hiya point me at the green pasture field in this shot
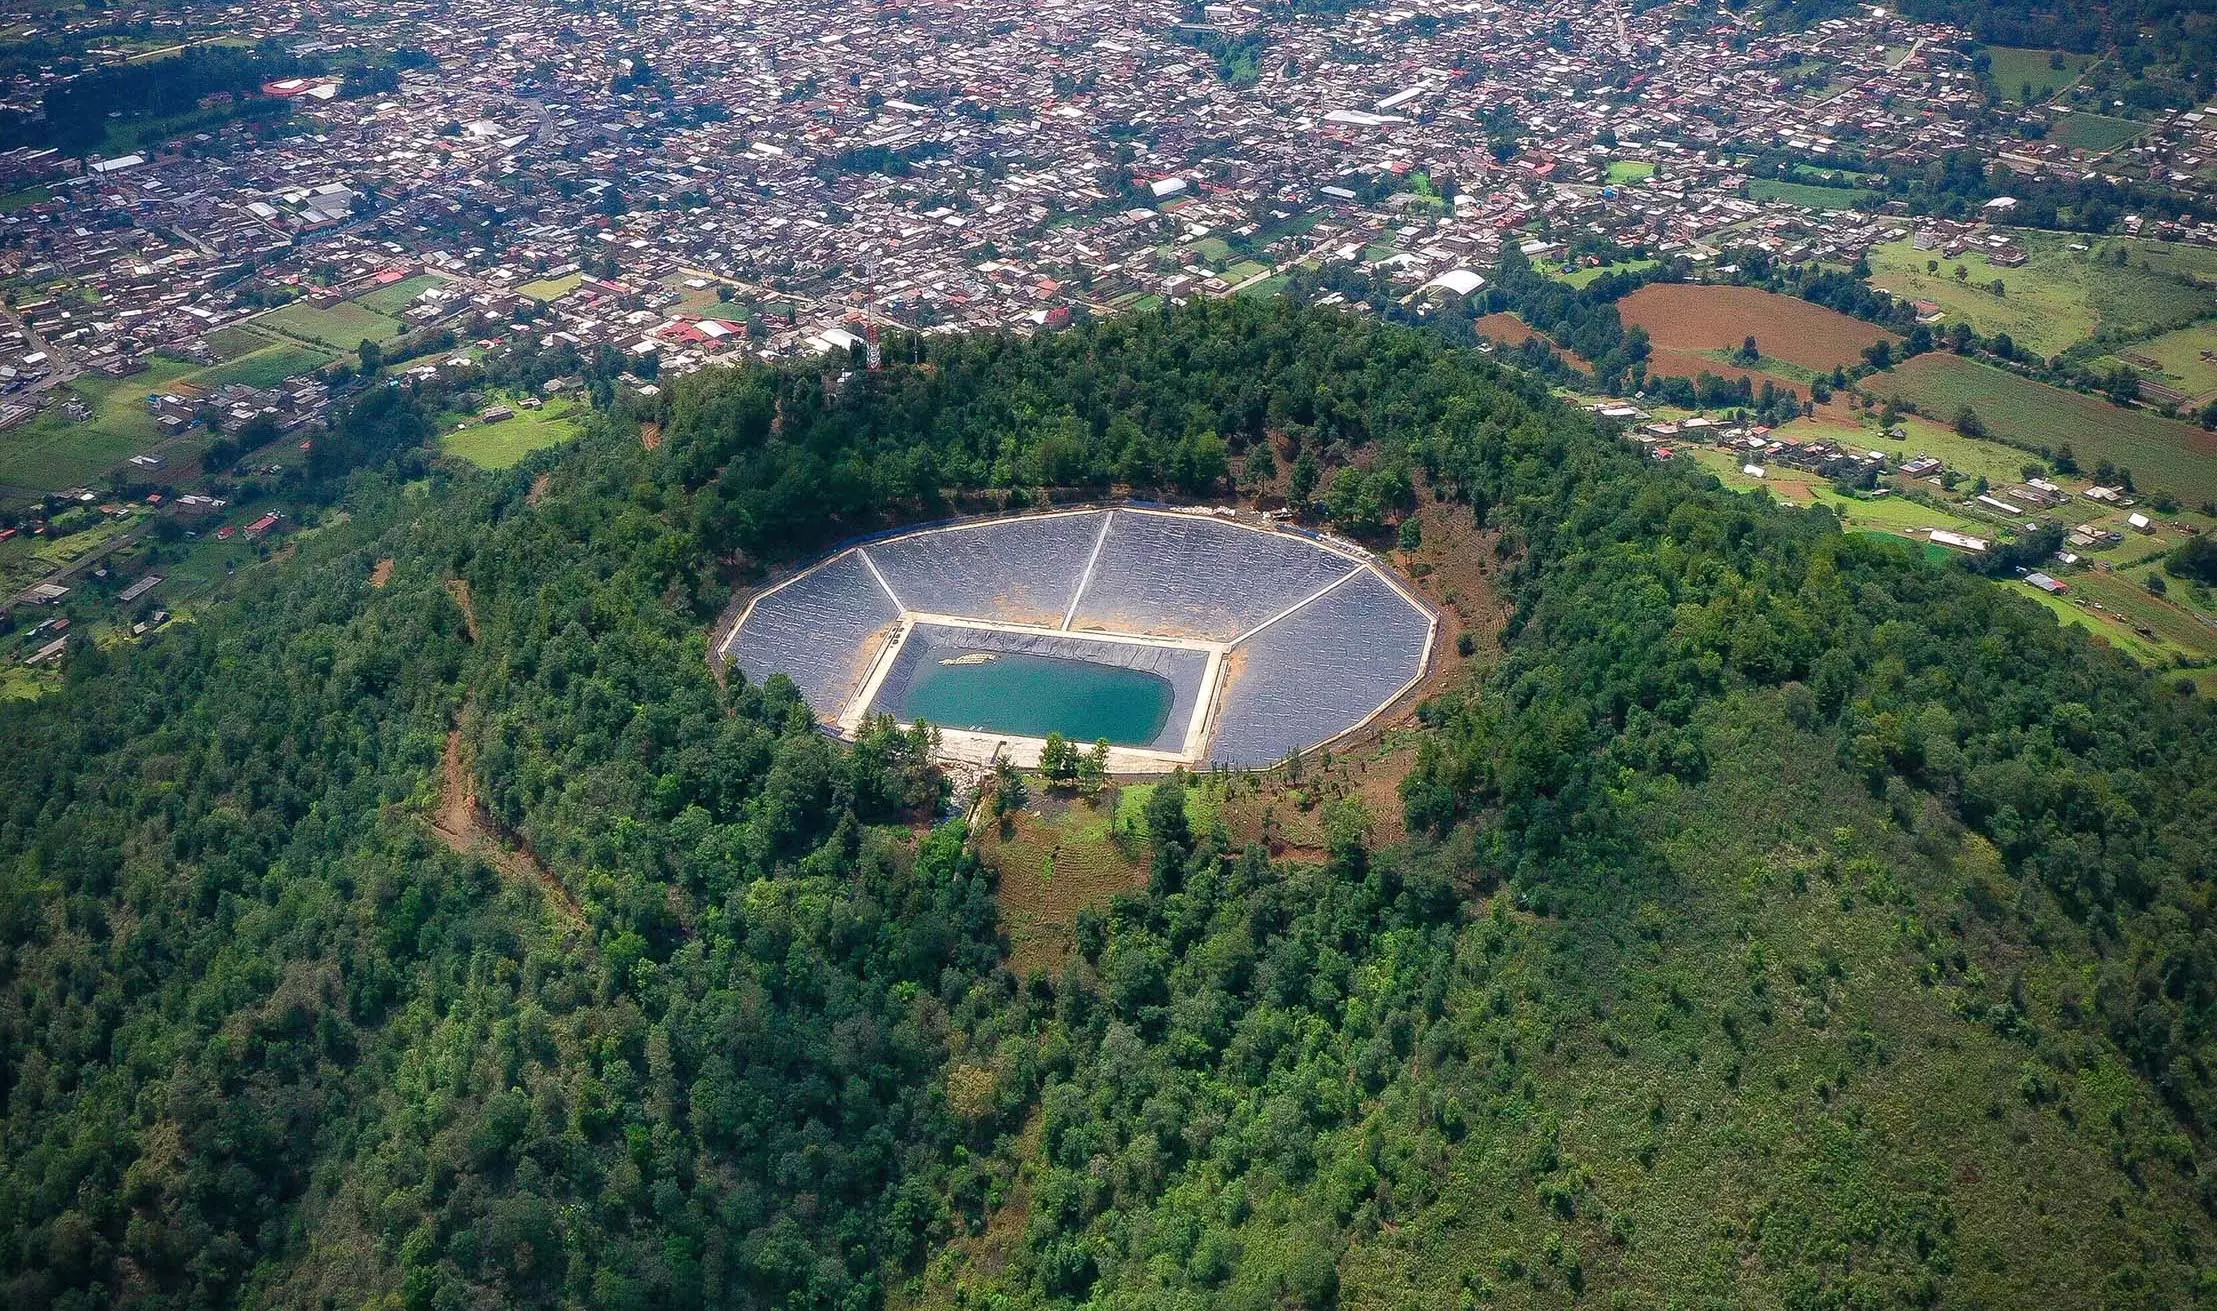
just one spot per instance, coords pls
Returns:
(397, 297)
(1629, 170)
(2095, 132)
(1778, 368)
(343, 326)
(1244, 270)
(1270, 286)
(238, 339)
(2162, 453)
(2014, 66)
(1803, 194)
(500, 445)
(267, 367)
(2056, 299)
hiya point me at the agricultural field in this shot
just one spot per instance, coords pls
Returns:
(1804, 194)
(2094, 132)
(1693, 329)
(2163, 454)
(2181, 358)
(51, 452)
(343, 326)
(238, 339)
(2014, 68)
(500, 445)
(267, 367)
(2175, 258)
(2056, 299)
(397, 297)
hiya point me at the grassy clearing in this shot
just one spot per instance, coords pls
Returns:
(2162, 453)
(500, 445)
(1270, 286)
(2094, 132)
(24, 199)
(1629, 170)
(397, 297)
(1244, 270)
(1055, 860)
(551, 288)
(343, 326)
(2014, 68)
(2056, 299)
(1803, 194)
(1585, 277)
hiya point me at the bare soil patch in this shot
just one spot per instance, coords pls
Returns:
(650, 435)
(1510, 330)
(467, 828)
(382, 574)
(459, 589)
(538, 490)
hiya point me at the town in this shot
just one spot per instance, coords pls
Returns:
(544, 207)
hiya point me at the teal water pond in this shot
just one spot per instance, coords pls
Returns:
(1032, 696)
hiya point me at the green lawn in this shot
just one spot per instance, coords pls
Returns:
(551, 288)
(499, 445)
(2015, 67)
(2095, 132)
(1270, 286)
(343, 326)
(397, 297)
(2057, 298)
(1804, 195)
(2162, 453)
(24, 199)
(1584, 277)
(1629, 170)
(1244, 270)
(1214, 251)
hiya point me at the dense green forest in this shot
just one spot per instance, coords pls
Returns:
(1786, 920)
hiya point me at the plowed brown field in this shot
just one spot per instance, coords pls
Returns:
(1682, 321)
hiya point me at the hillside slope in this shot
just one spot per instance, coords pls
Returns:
(1785, 920)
